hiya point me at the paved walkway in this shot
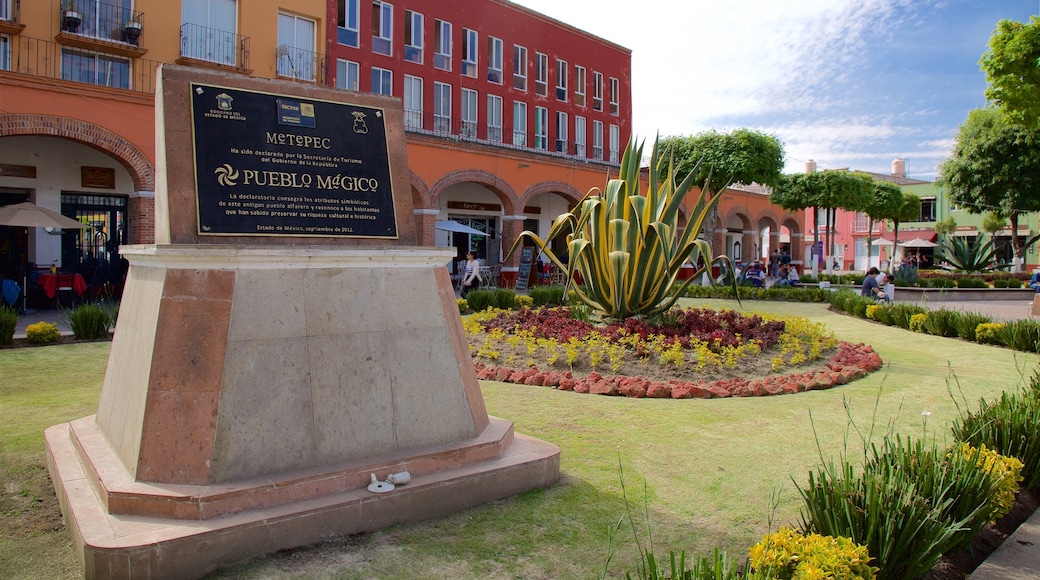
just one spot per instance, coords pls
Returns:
(52, 316)
(999, 310)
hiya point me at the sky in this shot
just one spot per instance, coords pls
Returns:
(847, 83)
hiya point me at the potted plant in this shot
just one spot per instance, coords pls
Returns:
(132, 30)
(70, 19)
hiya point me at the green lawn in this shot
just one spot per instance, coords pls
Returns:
(715, 471)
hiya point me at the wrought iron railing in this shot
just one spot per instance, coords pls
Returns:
(300, 64)
(101, 20)
(48, 59)
(216, 46)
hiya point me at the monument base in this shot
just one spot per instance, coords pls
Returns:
(131, 546)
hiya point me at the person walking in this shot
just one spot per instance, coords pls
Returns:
(471, 278)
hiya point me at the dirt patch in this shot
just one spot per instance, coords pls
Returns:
(28, 504)
(64, 339)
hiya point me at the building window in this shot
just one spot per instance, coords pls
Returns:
(541, 128)
(347, 75)
(413, 36)
(382, 28)
(469, 113)
(96, 69)
(561, 132)
(296, 56)
(413, 117)
(494, 59)
(927, 209)
(347, 22)
(494, 118)
(101, 19)
(615, 141)
(519, 124)
(469, 53)
(209, 31)
(561, 80)
(442, 107)
(5, 10)
(382, 81)
(597, 140)
(579, 85)
(520, 68)
(541, 74)
(579, 136)
(5, 52)
(442, 43)
(615, 90)
(597, 91)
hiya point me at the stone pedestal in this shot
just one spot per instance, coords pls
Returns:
(250, 393)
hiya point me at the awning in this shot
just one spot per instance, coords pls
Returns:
(918, 243)
(454, 226)
(911, 233)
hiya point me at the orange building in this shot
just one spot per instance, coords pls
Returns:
(511, 116)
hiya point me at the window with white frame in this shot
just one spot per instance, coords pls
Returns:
(413, 36)
(347, 22)
(520, 68)
(520, 123)
(469, 113)
(442, 44)
(382, 81)
(561, 132)
(469, 53)
(579, 136)
(541, 74)
(494, 118)
(5, 52)
(561, 80)
(615, 143)
(597, 140)
(347, 74)
(5, 10)
(615, 91)
(296, 41)
(494, 60)
(413, 117)
(579, 85)
(382, 28)
(541, 128)
(101, 19)
(209, 31)
(597, 91)
(442, 107)
(94, 68)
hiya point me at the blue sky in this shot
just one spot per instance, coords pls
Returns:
(847, 83)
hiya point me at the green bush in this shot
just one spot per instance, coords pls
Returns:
(1021, 335)
(90, 321)
(972, 282)
(480, 300)
(989, 333)
(8, 322)
(42, 333)
(938, 282)
(906, 276)
(547, 295)
(840, 300)
(1007, 283)
(504, 298)
(900, 313)
(942, 322)
(968, 322)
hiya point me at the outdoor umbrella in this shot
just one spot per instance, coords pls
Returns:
(882, 242)
(30, 215)
(453, 226)
(918, 243)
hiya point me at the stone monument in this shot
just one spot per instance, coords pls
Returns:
(283, 342)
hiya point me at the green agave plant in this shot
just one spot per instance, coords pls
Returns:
(626, 246)
(982, 255)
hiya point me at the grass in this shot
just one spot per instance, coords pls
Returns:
(711, 467)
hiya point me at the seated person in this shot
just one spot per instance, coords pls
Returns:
(756, 275)
(1034, 280)
(888, 284)
(781, 275)
(792, 276)
(870, 284)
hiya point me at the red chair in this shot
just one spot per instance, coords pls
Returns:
(64, 284)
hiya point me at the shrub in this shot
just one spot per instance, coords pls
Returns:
(940, 282)
(1008, 427)
(42, 333)
(942, 322)
(8, 322)
(989, 333)
(788, 554)
(523, 301)
(504, 298)
(883, 314)
(547, 295)
(972, 282)
(917, 321)
(480, 300)
(901, 313)
(90, 321)
(1007, 283)
(906, 276)
(872, 311)
(1021, 335)
(462, 304)
(1006, 473)
(968, 322)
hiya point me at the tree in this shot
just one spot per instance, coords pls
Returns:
(1011, 67)
(995, 166)
(830, 190)
(908, 211)
(885, 203)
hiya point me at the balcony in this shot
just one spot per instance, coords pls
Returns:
(300, 65)
(210, 47)
(102, 27)
(50, 60)
(9, 18)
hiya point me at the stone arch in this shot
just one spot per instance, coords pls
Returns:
(501, 189)
(420, 193)
(565, 190)
(129, 155)
(739, 214)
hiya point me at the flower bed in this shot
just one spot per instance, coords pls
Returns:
(693, 353)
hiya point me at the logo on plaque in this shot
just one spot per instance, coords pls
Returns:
(224, 102)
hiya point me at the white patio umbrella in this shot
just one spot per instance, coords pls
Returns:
(882, 242)
(918, 243)
(454, 226)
